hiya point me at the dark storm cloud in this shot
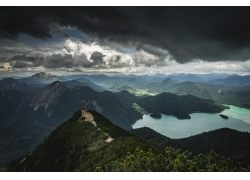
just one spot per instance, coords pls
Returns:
(3, 59)
(23, 61)
(118, 61)
(59, 60)
(152, 50)
(97, 57)
(20, 64)
(50, 61)
(187, 33)
(69, 61)
(117, 58)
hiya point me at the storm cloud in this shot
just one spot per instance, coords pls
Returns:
(97, 57)
(186, 33)
(20, 64)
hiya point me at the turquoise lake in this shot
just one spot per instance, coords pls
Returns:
(238, 118)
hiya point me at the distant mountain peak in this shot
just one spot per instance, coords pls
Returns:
(14, 84)
(57, 84)
(169, 80)
(8, 79)
(41, 78)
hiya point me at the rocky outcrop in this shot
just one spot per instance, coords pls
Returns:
(47, 95)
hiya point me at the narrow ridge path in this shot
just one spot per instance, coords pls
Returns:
(89, 117)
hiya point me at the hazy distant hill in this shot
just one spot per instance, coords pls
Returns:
(84, 82)
(95, 78)
(182, 77)
(118, 82)
(186, 77)
(201, 90)
(162, 86)
(238, 96)
(41, 79)
(234, 80)
(13, 84)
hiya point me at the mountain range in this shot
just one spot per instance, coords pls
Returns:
(234, 80)
(13, 84)
(32, 107)
(235, 95)
(84, 82)
(41, 79)
(28, 118)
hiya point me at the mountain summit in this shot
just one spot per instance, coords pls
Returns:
(41, 78)
(86, 141)
(90, 142)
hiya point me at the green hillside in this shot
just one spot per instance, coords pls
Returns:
(79, 145)
(179, 106)
(238, 96)
(90, 142)
(226, 142)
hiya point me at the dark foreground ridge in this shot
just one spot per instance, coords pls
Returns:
(227, 142)
(90, 142)
(79, 145)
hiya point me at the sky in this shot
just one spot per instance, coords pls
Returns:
(138, 40)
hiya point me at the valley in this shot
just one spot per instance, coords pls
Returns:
(120, 88)
(78, 145)
(31, 111)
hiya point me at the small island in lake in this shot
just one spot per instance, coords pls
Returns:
(223, 116)
(156, 115)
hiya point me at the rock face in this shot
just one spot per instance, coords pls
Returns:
(13, 84)
(29, 118)
(47, 95)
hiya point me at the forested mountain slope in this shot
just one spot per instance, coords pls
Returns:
(226, 142)
(90, 142)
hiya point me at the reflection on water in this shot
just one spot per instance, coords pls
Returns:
(239, 119)
(238, 113)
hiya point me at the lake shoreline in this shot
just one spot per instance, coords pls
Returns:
(170, 126)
